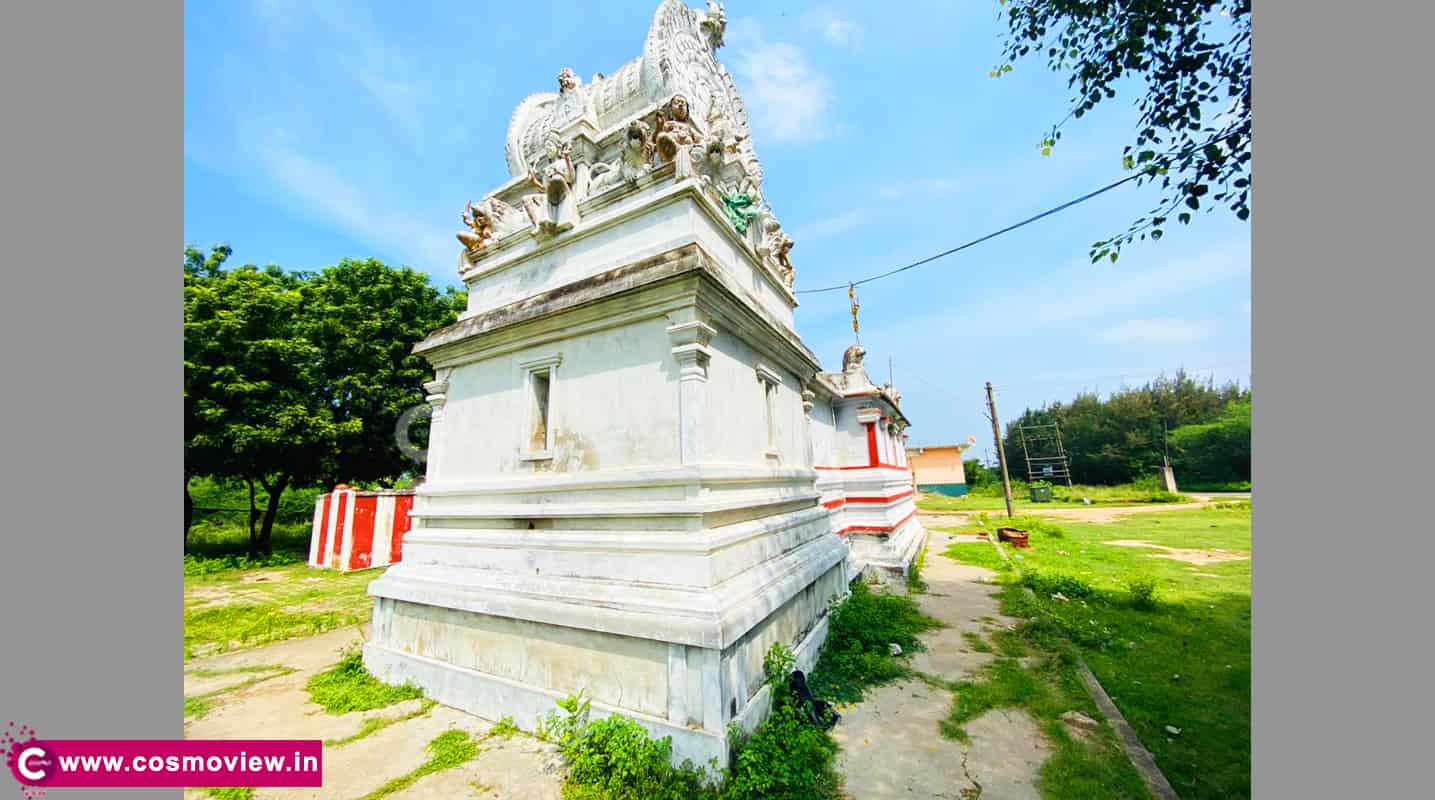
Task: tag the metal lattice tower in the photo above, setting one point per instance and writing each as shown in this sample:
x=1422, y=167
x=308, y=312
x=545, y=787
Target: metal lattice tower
x=1046, y=459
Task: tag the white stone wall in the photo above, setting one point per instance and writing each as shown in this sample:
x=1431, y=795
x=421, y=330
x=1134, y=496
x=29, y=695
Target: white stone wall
x=612, y=405
x=737, y=421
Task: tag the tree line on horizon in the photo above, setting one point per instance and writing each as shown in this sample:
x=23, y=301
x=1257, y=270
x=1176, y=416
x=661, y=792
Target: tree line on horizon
x=297, y=380
x=1204, y=429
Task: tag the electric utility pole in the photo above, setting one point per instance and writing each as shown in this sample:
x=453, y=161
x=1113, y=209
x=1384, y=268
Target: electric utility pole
x=1001, y=450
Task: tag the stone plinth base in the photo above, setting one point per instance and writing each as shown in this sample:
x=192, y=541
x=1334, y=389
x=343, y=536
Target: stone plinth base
x=497, y=666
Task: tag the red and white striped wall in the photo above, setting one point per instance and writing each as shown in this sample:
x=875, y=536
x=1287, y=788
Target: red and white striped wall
x=873, y=502
x=356, y=530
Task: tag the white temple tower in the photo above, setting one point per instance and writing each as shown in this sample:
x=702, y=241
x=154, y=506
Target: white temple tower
x=620, y=495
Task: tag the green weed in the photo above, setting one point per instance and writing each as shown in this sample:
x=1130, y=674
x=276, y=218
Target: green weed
x=976, y=642
x=373, y=725
x=915, y=584
x=786, y=758
x=505, y=728
x=447, y=750
x=347, y=686
x=1052, y=584
x=1143, y=591
x=196, y=707
x=857, y=654
x=230, y=792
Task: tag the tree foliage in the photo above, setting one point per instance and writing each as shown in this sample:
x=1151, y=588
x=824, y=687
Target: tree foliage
x=978, y=474
x=365, y=317
x=1194, y=59
x=298, y=379
x=1215, y=452
x=1124, y=437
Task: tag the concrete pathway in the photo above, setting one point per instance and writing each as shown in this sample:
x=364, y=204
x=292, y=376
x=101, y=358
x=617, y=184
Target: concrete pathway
x=276, y=706
x=891, y=743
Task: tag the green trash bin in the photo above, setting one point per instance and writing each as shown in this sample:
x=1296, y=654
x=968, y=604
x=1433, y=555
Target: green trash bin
x=1041, y=493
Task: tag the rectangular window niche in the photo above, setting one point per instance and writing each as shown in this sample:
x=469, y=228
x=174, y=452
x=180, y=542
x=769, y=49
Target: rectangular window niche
x=539, y=379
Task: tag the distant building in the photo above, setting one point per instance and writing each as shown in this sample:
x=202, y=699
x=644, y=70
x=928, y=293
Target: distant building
x=938, y=468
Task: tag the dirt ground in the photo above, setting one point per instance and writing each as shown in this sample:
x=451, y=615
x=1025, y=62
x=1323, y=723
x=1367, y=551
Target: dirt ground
x=278, y=706
x=891, y=743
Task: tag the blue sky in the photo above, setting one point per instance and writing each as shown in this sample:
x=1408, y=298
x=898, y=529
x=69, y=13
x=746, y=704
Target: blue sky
x=319, y=130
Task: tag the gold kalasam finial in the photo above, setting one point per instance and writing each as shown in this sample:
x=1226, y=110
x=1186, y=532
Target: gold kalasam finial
x=852, y=295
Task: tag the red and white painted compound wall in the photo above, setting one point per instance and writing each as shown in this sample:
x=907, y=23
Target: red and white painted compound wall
x=356, y=530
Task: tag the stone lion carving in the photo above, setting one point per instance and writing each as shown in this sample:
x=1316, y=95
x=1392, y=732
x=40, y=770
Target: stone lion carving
x=633, y=162
x=490, y=219
x=852, y=359
x=710, y=165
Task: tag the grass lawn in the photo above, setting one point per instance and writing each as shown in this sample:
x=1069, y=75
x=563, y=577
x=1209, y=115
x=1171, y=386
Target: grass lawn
x=231, y=602
x=1185, y=663
x=240, y=608
x=990, y=499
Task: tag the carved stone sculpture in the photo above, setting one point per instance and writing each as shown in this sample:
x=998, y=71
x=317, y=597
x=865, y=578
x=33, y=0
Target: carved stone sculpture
x=710, y=165
x=490, y=219
x=568, y=80
x=714, y=24
x=852, y=359
x=633, y=162
x=554, y=208
x=775, y=246
x=677, y=133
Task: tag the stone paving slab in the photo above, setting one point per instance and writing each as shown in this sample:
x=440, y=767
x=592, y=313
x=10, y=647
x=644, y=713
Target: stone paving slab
x=195, y=685
x=891, y=743
x=358, y=768
x=520, y=768
x=1005, y=755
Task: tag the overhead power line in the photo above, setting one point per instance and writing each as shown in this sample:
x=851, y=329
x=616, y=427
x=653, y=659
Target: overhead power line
x=929, y=259
x=1147, y=170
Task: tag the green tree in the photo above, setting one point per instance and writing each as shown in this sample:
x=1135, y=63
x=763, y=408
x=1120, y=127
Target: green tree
x=1193, y=59
x=364, y=318
x=977, y=473
x=1123, y=437
x=1215, y=452
x=198, y=460
x=298, y=379
x=250, y=378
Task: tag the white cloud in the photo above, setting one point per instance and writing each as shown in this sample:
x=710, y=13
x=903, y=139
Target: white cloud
x=788, y=99
x=324, y=193
x=357, y=46
x=834, y=29
x=1157, y=331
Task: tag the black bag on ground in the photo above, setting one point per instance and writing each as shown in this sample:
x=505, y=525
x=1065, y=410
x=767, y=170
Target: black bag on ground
x=822, y=714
